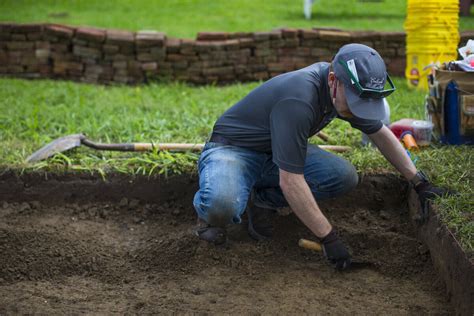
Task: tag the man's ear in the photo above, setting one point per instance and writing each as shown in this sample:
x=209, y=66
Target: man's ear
x=331, y=79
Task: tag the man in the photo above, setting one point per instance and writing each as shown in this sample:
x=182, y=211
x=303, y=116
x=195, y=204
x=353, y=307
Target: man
x=259, y=152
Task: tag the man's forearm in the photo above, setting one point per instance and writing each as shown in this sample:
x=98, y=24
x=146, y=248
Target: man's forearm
x=302, y=202
x=394, y=152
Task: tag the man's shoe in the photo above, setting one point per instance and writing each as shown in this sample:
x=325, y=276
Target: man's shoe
x=211, y=234
x=260, y=222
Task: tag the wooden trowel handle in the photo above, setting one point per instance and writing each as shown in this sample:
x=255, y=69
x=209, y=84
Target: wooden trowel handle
x=311, y=245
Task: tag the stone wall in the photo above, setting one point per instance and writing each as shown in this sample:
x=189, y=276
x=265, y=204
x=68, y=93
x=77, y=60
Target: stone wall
x=113, y=56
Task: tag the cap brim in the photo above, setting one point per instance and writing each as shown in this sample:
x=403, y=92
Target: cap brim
x=365, y=108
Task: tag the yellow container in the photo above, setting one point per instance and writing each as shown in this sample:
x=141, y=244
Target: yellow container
x=418, y=66
x=432, y=28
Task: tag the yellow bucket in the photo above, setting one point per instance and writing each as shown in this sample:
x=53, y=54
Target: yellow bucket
x=432, y=28
x=417, y=71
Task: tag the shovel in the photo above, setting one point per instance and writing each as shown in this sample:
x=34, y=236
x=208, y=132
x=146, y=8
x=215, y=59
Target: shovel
x=75, y=140
x=312, y=245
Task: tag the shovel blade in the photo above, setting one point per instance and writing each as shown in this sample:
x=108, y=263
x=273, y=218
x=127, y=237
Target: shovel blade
x=56, y=146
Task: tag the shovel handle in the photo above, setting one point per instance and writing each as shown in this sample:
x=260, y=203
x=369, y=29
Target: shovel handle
x=142, y=146
x=172, y=146
x=311, y=245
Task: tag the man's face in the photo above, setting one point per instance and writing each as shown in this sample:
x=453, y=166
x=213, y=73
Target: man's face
x=339, y=97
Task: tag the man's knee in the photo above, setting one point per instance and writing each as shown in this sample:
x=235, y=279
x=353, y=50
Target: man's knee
x=339, y=179
x=220, y=209
x=349, y=178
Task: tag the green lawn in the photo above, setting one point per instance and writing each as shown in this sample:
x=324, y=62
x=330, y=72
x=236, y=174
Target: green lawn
x=184, y=18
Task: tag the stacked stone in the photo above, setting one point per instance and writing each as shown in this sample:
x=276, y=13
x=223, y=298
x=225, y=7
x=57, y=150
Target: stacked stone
x=150, y=51
x=113, y=56
x=23, y=51
x=64, y=63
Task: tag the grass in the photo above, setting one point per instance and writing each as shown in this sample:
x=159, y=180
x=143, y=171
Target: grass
x=32, y=113
x=185, y=17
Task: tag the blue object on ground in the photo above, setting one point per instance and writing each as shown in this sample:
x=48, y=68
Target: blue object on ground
x=452, y=123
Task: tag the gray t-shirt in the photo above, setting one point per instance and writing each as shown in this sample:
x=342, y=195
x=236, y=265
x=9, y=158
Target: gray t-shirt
x=280, y=115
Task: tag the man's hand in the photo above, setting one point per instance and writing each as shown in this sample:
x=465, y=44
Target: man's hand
x=426, y=193
x=335, y=251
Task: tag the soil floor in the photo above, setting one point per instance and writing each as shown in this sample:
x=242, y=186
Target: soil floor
x=137, y=258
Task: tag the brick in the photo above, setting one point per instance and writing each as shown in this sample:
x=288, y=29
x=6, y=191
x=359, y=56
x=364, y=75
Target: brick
x=212, y=36
x=29, y=60
x=180, y=65
x=26, y=28
x=13, y=69
x=392, y=36
x=232, y=44
x=358, y=36
x=264, y=52
x=34, y=36
x=93, y=69
x=120, y=64
x=218, y=71
x=282, y=66
x=79, y=42
x=208, y=46
x=5, y=36
x=110, y=49
x=158, y=52
x=121, y=38
x=335, y=35
x=84, y=51
x=42, y=53
x=321, y=52
x=6, y=27
x=42, y=45
x=149, y=66
x=145, y=57
x=20, y=45
x=172, y=45
x=64, y=66
x=56, y=47
x=18, y=37
x=261, y=36
x=90, y=34
x=239, y=35
x=187, y=43
x=59, y=31
x=150, y=39
x=310, y=34
x=246, y=43
x=303, y=51
x=176, y=57
x=212, y=63
x=289, y=33
x=190, y=51
x=88, y=60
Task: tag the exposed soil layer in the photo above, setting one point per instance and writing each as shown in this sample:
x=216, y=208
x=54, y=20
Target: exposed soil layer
x=137, y=257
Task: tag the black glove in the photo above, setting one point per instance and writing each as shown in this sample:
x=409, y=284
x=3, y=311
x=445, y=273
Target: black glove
x=335, y=251
x=426, y=193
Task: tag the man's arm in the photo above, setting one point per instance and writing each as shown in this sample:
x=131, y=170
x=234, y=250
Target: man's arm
x=302, y=202
x=393, y=151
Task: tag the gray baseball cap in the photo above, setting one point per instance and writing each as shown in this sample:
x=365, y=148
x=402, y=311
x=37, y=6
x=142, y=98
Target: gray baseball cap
x=364, y=94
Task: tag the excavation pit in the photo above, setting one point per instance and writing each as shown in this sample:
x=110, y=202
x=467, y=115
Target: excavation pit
x=75, y=244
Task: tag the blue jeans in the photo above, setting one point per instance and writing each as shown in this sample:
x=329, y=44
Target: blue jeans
x=229, y=174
